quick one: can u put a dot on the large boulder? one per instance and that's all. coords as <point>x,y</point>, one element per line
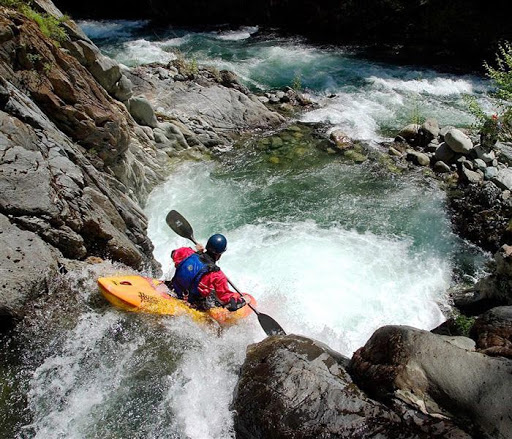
<point>437,376</point>
<point>458,141</point>
<point>493,332</point>
<point>27,263</point>
<point>295,387</point>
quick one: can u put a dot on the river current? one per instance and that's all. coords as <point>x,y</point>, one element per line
<point>332,250</point>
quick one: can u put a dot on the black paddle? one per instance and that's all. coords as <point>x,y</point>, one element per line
<point>182,227</point>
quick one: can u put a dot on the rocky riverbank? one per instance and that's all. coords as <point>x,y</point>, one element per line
<point>84,140</point>
<point>80,152</point>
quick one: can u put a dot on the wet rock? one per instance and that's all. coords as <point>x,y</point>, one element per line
<point>436,376</point>
<point>458,141</point>
<point>441,167</point>
<point>444,153</point>
<point>410,133</point>
<point>493,332</point>
<point>27,263</point>
<point>295,387</point>
<point>341,140</point>
<point>418,158</point>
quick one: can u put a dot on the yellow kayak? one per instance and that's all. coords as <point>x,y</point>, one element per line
<point>144,294</point>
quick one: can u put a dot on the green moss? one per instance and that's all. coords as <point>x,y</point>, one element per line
<point>50,26</point>
<point>355,156</point>
<point>464,324</point>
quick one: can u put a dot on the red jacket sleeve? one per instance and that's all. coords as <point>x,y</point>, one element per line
<point>217,281</point>
<point>180,254</point>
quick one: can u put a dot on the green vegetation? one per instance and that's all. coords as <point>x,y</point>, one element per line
<point>50,26</point>
<point>297,82</point>
<point>498,125</point>
<point>464,324</point>
<point>186,67</point>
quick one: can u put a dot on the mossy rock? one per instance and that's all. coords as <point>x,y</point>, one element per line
<point>355,156</point>
<point>274,160</point>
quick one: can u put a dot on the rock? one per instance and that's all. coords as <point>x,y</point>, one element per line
<point>493,332</point>
<point>410,133</point>
<point>418,158</point>
<point>394,152</point>
<point>444,153</point>
<point>504,179</point>
<point>295,387</point>
<point>505,152</point>
<point>123,89</point>
<point>341,140</point>
<point>263,99</point>
<point>106,71</point>
<point>428,131</point>
<point>471,176</point>
<point>484,154</point>
<point>480,164</point>
<point>458,141</point>
<point>27,262</point>
<point>142,111</point>
<point>444,130</point>
<point>490,172</point>
<point>437,377</point>
<point>441,167</point>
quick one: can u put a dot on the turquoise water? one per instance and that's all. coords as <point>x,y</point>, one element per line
<point>331,249</point>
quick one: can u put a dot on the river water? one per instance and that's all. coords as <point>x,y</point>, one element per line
<point>331,249</point>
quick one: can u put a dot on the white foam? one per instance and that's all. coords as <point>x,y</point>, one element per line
<point>312,279</point>
<point>437,86</point>
<point>142,51</point>
<point>237,35</point>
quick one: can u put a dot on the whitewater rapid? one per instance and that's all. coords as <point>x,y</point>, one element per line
<point>330,250</point>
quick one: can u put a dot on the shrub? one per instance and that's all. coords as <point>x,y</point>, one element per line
<point>50,26</point>
<point>498,125</point>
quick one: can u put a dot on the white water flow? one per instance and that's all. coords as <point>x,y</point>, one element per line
<point>330,250</point>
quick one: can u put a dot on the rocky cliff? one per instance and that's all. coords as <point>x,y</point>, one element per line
<point>79,153</point>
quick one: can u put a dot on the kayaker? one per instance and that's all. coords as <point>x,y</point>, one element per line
<point>199,280</point>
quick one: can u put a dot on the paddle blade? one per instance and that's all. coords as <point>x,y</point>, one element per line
<point>269,325</point>
<point>180,225</point>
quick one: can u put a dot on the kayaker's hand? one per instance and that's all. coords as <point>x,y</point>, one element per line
<point>199,248</point>
<point>235,304</point>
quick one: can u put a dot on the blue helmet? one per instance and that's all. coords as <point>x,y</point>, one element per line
<point>217,244</point>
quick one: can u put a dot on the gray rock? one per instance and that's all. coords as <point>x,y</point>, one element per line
<point>484,154</point>
<point>410,132</point>
<point>142,111</point>
<point>505,152</point>
<point>123,89</point>
<point>295,387</point>
<point>480,164</point>
<point>471,176</point>
<point>418,158</point>
<point>444,130</point>
<point>106,71</point>
<point>504,179</point>
<point>438,377</point>
<point>490,172</point>
<point>27,262</point>
<point>444,153</point>
<point>441,167</point>
<point>458,141</point>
